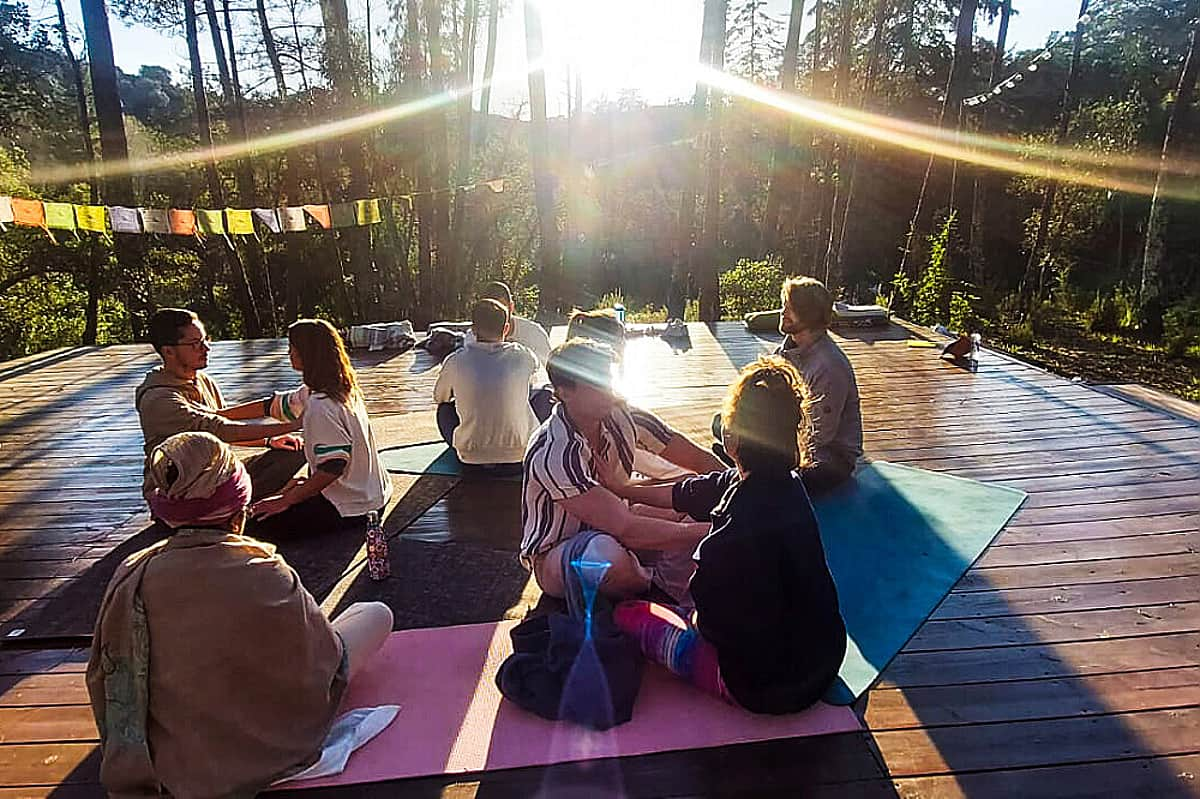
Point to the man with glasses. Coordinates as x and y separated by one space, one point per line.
178 397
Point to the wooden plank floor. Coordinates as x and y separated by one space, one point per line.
1066 662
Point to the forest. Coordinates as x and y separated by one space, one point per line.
1045 196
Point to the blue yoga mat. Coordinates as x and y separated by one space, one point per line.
897 539
430 458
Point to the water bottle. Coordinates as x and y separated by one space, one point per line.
974 356
377 549
619 310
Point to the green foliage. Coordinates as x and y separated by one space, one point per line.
962 314
1181 328
1112 311
751 286
931 298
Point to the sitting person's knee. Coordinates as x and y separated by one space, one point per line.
625 576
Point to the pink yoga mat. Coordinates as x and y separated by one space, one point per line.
453 719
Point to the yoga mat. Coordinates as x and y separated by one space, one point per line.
431 458
453 719
897 539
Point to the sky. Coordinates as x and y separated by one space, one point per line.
614 45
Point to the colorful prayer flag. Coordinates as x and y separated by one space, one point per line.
366 212
124 220
320 215
91 217
28 213
60 216
497 186
155 220
6 212
291 219
211 223
342 215
270 219
239 221
183 221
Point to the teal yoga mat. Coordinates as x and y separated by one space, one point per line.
430 458
897 539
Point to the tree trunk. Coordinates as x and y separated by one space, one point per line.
907 32
979 195
833 280
118 189
414 86
264 27
489 68
710 293
459 230
214 251
1150 297
445 300
783 129
848 220
91 314
685 239
960 73
1030 289
549 249
214 28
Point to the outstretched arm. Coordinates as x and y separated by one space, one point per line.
684 452
601 509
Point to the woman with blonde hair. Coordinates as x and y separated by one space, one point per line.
345 479
213 671
767 632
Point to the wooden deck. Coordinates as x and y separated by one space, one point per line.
1066 662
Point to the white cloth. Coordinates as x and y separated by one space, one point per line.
155 220
382 336
292 219
124 220
335 431
528 333
489 384
6 211
269 218
349 732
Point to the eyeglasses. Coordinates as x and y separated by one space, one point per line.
194 344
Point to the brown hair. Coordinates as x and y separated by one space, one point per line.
327 368
488 319
767 408
811 302
165 326
580 360
498 291
601 325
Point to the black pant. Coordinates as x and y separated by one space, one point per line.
315 515
270 470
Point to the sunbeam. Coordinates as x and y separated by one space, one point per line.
166 162
1134 175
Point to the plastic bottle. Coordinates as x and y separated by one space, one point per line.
377 549
619 309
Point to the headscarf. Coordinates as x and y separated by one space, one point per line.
195 480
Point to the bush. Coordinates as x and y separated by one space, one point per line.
1181 328
751 286
934 288
1112 312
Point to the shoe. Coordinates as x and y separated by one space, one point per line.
676 328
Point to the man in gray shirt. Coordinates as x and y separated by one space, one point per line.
836 416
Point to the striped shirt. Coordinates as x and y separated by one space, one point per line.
560 464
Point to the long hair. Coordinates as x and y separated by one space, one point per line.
326 366
767 407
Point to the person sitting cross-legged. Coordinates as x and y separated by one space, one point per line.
767 632
213 672
345 481
482 392
836 415
179 397
590 434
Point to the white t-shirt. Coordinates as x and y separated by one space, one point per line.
489 384
333 430
528 333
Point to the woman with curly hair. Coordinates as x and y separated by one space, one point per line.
345 479
767 632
